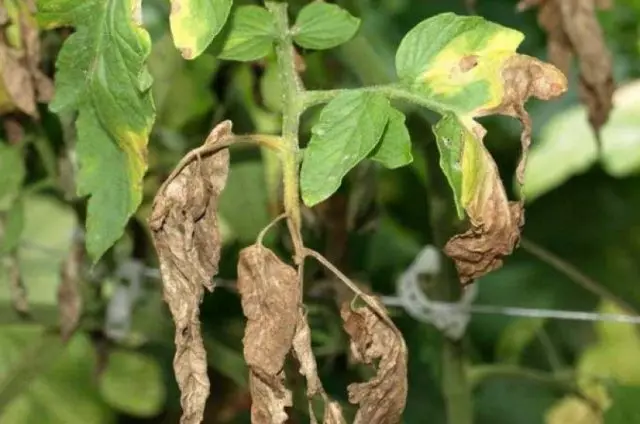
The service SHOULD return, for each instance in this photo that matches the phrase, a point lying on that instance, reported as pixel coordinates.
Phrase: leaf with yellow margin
(466, 67)
(101, 74)
(195, 23)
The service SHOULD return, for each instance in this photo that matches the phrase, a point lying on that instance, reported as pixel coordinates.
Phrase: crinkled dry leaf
(270, 294)
(22, 83)
(375, 340)
(573, 29)
(309, 368)
(69, 295)
(495, 222)
(185, 233)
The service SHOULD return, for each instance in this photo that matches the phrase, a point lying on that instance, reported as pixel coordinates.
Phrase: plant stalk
(455, 383)
(292, 107)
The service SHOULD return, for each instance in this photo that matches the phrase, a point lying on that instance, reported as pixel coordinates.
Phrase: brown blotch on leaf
(186, 237)
(469, 62)
(270, 296)
(69, 293)
(376, 342)
(573, 30)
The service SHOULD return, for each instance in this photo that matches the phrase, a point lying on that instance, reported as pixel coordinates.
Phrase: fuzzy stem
(292, 107)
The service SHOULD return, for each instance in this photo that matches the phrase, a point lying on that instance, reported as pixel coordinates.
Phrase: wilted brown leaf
(270, 294)
(376, 341)
(185, 233)
(495, 222)
(22, 83)
(69, 295)
(573, 30)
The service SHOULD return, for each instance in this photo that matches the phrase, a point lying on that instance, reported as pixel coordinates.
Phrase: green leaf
(132, 383)
(567, 145)
(195, 23)
(428, 58)
(450, 139)
(44, 243)
(624, 408)
(349, 128)
(322, 25)
(12, 173)
(101, 73)
(46, 381)
(394, 150)
(250, 36)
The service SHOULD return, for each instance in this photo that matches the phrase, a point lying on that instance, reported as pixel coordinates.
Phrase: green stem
(292, 107)
(455, 385)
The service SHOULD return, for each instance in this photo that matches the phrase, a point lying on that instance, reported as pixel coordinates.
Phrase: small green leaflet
(195, 23)
(101, 73)
(394, 150)
(348, 129)
(250, 34)
(322, 25)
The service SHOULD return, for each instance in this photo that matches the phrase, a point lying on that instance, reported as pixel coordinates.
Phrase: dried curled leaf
(375, 340)
(270, 294)
(573, 30)
(22, 83)
(186, 236)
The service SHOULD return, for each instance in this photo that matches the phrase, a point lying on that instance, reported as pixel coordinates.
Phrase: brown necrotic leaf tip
(187, 239)
(376, 341)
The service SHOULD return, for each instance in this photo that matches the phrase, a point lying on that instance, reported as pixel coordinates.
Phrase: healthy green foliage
(349, 128)
(450, 138)
(132, 383)
(251, 34)
(101, 74)
(195, 23)
(394, 150)
(322, 25)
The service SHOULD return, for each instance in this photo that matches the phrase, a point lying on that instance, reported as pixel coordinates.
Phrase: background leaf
(12, 174)
(322, 25)
(194, 24)
(250, 35)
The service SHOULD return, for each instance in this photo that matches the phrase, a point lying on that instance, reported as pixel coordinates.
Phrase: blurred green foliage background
(118, 369)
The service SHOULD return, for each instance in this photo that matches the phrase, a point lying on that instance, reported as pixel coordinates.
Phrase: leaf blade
(195, 23)
(394, 150)
(323, 26)
(251, 34)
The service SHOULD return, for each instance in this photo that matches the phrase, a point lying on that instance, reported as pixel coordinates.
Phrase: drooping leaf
(349, 128)
(394, 150)
(322, 25)
(132, 383)
(573, 30)
(195, 23)
(185, 234)
(251, 34)
(376, 341)
(101, 74)
(22, 83)
(495, 222)
(270, 293)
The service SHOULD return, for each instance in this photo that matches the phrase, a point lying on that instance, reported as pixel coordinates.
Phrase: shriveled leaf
(195, 23)
(321, 25)
(270, 295)
(186, 237)
(394, 150)
(349, 128)
(573, 30)
(101, 74)
(22, 83)
(251, 34)
(309, 368)
(495, 222)
(69, 293)
(376, 342)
